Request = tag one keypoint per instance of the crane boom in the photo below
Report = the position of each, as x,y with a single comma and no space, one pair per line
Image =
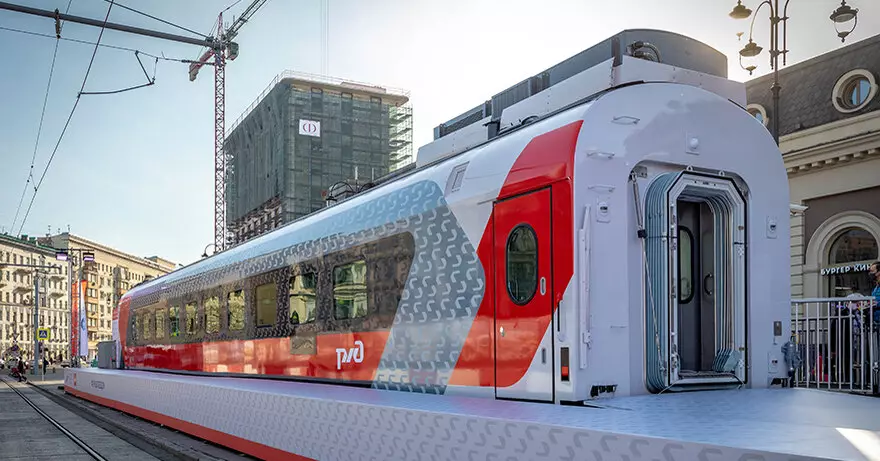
245,17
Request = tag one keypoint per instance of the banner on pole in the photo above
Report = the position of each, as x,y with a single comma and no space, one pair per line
83,331
74,319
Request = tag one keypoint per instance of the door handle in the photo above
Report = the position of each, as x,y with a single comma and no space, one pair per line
543,355
543,286
707,287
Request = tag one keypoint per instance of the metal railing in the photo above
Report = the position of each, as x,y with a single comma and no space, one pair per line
836,343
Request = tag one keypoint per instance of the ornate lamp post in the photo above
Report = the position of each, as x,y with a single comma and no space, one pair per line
68,256
843,14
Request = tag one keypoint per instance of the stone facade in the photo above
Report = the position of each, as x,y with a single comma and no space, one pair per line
830,142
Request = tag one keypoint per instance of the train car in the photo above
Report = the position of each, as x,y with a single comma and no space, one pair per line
622,231
592,263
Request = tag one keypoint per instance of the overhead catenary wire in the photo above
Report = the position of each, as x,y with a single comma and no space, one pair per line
67,123
30,175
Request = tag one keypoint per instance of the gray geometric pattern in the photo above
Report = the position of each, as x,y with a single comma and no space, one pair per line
439,301
337,423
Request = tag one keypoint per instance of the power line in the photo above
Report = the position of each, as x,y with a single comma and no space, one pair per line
157,19
230,6
67,123
30,175
86,42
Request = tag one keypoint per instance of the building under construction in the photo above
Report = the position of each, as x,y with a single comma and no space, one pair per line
308,140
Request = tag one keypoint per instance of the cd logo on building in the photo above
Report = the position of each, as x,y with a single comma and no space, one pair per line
310,128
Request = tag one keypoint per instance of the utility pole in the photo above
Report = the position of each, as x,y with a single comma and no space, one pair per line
37,273
36,321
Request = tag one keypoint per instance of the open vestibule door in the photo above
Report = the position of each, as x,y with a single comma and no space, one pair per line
696,261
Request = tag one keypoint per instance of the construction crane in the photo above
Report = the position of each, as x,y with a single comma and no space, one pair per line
220,48
224,49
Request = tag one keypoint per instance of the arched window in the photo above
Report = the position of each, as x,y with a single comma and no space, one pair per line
849,256
853,245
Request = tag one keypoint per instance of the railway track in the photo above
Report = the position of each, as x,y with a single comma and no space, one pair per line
78,441
158,442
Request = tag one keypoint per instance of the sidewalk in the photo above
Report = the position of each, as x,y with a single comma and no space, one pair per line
49,379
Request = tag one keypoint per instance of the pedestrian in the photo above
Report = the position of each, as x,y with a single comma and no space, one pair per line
45,363
20,365
874,274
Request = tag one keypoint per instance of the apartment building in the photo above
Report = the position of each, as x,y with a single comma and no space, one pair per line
18,255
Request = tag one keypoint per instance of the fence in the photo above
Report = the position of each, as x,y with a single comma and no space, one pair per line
836,343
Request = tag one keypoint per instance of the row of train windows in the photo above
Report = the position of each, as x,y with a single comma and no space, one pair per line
349,301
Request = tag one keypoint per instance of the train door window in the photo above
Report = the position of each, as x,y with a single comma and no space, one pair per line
212,314
685,265
191,319
160,323
267,304
235,314
174,321
303,297
350,290
522,264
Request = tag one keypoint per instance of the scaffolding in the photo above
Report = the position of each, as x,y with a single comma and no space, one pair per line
276,175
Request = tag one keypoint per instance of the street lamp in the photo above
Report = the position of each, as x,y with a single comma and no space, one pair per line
841,15
64,255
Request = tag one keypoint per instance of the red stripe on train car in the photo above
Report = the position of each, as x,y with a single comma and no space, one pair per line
237,443
548,160
270,356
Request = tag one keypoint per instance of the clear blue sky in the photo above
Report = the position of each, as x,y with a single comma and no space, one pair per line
135,170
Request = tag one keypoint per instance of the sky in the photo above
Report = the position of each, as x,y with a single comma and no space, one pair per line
134,170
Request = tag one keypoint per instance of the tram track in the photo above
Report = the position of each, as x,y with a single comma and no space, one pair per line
78,441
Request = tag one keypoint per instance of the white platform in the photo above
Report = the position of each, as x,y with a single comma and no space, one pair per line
334,422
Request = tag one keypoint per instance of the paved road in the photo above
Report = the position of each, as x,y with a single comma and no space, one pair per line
27,435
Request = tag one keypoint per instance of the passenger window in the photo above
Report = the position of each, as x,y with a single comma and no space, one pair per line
267,304
522,264
302,298
136,331
174,321
160,323
350,290
148,331
191,319
235,315
685,265
212,314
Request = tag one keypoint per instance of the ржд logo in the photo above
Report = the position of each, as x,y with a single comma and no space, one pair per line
354,354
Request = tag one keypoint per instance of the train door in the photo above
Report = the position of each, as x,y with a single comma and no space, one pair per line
695,328
523,297
695,308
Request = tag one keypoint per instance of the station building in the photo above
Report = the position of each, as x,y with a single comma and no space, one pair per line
829,125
